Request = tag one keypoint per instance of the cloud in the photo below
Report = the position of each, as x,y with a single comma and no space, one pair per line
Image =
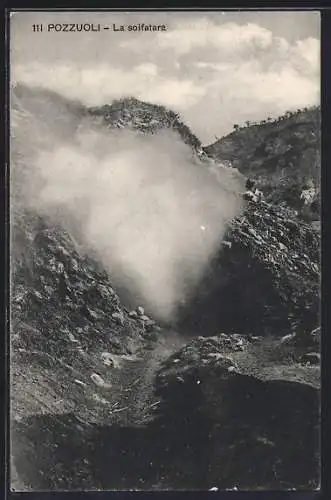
181,94
215,73
306,56
147,69
231,37
102,83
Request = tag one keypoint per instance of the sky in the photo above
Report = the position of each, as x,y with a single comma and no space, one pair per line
216,69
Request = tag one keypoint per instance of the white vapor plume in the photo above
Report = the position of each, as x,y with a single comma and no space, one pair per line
152,214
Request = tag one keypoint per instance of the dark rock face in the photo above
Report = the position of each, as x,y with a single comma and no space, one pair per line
275,445
267,282
239,430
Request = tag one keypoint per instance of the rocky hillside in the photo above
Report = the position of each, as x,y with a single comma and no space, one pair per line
83,365
58,293
145,117
282,155
265,279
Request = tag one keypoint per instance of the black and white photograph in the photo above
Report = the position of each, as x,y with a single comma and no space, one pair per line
165,233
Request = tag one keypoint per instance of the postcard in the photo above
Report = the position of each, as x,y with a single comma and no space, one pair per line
164,250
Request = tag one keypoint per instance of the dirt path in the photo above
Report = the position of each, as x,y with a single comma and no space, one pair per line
46,403
133,380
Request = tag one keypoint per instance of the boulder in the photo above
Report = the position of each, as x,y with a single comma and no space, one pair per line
148,322
311,358
118,317
289,339
144,318
140,310
133,314
305,340
316,334
107,359
99,382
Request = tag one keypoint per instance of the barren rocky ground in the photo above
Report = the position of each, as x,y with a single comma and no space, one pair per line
70,435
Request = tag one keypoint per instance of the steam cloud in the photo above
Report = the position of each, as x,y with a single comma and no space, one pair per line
151,213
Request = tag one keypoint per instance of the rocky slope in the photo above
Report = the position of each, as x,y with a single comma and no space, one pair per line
282,155
265,281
